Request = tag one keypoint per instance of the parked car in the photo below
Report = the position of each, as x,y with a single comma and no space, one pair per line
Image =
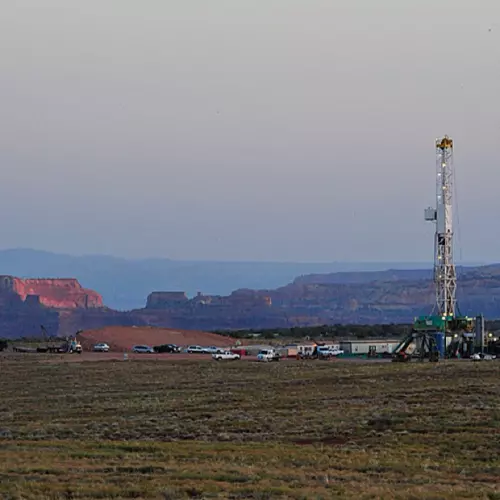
268,355
101,347
167,348
143,349
195,349
211,350
221,355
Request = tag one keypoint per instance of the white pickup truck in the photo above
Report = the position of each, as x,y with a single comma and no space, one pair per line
329,352
268,355
222,355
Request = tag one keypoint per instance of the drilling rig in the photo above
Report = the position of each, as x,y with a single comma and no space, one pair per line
444,333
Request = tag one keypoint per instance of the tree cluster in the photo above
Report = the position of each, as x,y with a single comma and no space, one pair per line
332,331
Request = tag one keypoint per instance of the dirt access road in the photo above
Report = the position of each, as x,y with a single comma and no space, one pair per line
110,356
89,356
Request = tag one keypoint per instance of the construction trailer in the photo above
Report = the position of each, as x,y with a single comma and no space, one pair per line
368,346
306,349
446,332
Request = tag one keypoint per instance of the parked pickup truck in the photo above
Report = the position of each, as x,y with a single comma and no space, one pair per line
268,355
328,352
221,355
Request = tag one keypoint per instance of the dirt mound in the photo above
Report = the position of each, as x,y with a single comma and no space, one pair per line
120,338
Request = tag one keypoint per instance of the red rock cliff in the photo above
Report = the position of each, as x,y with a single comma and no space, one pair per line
56,293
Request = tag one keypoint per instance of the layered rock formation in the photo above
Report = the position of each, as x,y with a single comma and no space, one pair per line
25,304
340,298
57,293
160,300
246,308
64,307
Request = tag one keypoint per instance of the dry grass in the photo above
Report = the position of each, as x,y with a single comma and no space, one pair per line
300,430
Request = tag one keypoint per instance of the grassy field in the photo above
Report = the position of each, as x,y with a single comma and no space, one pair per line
299,430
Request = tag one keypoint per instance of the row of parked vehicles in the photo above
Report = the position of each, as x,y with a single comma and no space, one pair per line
216,352
319,352
143,349
170,348
219,354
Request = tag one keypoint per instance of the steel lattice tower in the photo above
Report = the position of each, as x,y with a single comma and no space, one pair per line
444,268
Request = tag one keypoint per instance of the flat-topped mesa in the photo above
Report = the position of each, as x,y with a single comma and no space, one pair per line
162,300
242,298
57,293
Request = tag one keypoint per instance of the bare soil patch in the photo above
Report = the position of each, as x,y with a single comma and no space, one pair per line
123,338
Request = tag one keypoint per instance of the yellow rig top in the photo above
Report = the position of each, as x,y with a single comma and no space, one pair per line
444,143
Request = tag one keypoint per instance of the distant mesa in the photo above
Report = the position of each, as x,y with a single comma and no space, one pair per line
63,306
58,293
162,300
178,300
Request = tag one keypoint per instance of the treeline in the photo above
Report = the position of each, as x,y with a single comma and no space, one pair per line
357,331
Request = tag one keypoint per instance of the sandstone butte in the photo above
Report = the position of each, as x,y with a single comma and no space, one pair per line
64,307
60,293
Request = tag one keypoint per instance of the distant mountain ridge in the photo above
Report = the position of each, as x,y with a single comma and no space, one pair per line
374,296
387,275
393,296
365,276
336,298
126,283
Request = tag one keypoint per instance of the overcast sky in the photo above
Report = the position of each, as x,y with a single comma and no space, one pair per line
247,129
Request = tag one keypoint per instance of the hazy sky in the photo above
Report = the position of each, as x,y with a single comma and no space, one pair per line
247,129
